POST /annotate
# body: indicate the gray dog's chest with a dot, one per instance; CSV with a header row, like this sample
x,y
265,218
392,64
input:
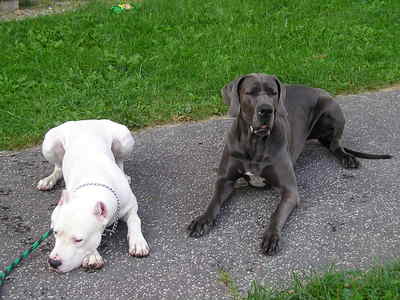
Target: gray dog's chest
x,y
252,168
253,171
255,180
255,167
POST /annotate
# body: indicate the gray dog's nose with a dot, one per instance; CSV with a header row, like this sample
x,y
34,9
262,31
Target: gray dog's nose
x,y
54,263
264,111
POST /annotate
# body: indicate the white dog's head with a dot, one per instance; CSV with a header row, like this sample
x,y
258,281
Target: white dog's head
x,y
78,226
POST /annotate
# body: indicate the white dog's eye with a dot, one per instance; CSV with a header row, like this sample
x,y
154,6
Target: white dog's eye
x,y
77,241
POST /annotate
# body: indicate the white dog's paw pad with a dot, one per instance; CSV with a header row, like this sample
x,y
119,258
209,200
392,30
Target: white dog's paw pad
x,y
46,184
94,261
138,247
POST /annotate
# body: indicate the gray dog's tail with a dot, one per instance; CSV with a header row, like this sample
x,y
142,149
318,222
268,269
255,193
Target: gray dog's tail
x,y
367,155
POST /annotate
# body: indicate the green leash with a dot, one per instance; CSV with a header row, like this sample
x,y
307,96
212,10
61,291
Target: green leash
x,y
25,254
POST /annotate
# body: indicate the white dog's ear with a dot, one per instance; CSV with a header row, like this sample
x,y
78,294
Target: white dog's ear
x,y
64,197
100,210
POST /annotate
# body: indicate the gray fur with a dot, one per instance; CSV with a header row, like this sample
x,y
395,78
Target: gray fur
x,y
273,122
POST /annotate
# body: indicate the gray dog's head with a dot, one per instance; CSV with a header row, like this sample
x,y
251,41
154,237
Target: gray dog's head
x,y
257,99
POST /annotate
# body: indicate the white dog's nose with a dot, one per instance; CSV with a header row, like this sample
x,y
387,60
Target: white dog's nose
x,y
54,263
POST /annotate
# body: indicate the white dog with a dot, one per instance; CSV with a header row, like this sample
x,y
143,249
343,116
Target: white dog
x,y
90,154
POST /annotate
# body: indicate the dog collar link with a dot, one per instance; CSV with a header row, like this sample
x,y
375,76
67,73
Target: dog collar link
x,y
116,213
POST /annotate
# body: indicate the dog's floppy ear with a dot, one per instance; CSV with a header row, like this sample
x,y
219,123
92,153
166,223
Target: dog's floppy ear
x,y
230,93
280,106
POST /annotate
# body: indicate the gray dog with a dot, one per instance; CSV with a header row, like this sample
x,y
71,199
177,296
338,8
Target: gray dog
x,y
273,122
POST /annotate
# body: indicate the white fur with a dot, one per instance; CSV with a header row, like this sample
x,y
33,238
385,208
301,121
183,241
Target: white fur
x,y
90,151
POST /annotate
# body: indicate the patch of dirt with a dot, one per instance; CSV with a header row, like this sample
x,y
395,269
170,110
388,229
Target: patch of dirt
x,y
49,8
388,88
394,87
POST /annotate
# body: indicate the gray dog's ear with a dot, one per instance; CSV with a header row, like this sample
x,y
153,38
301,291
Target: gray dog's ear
x,y
280,106
230,93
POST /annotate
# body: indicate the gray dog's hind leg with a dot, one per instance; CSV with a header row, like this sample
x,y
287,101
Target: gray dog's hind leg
x,y
329,129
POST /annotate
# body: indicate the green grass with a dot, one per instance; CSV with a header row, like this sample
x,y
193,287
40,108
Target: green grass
x,y
378,283
168,61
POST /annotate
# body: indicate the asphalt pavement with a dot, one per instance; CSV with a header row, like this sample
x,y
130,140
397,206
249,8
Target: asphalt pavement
x,y
349,218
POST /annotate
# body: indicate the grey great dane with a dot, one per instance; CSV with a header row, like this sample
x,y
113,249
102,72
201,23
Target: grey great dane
x,y
272,123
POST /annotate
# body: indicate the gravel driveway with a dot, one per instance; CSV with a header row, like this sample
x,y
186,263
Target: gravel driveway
x,y
350,218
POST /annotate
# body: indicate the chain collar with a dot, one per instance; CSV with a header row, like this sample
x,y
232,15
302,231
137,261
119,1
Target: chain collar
x,y
116,213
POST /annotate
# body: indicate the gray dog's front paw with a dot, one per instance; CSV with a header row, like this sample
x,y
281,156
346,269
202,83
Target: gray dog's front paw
x,y
200,226
270,243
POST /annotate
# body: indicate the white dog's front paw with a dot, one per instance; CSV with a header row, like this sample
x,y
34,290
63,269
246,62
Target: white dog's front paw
x,y
93,261
129,179
138,247
46,183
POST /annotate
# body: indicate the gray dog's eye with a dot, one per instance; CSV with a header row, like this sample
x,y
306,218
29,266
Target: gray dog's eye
x,y
271,92
253,91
